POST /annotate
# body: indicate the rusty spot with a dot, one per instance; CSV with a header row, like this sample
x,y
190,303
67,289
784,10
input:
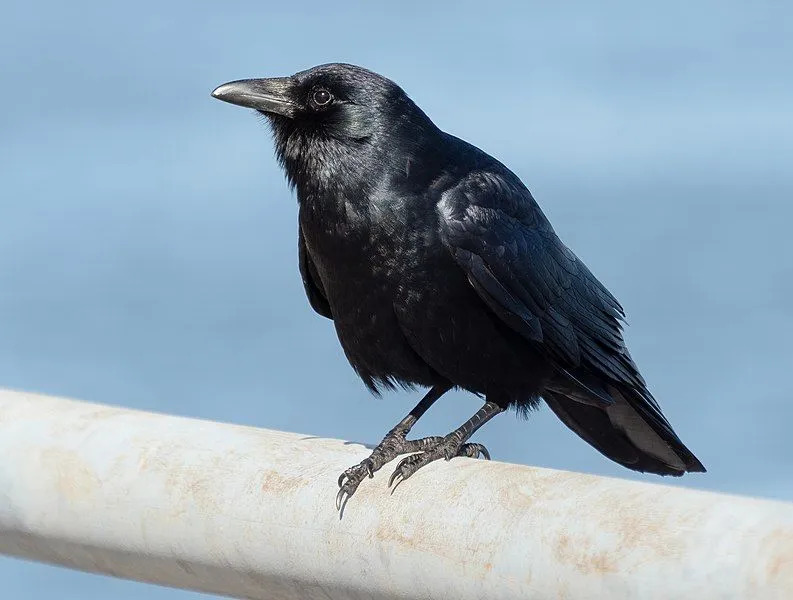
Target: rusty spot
x,y
660,535
431,541
75,480
185,482
275,483
539,488
779,545
577,552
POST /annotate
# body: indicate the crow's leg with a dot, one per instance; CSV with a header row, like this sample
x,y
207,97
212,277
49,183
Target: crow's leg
x,y
394,443
449,446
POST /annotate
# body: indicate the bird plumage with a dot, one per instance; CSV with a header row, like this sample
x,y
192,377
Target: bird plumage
x,y
438,267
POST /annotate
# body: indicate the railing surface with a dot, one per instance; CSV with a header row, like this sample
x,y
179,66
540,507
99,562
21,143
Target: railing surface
x,y
250,513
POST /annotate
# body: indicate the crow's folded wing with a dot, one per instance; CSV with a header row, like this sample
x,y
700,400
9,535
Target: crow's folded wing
x,y
498,235
526,275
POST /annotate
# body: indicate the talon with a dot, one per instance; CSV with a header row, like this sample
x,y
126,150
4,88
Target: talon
x,y
424,451
474,451
388,449
393,476
397,472
398,482
404,469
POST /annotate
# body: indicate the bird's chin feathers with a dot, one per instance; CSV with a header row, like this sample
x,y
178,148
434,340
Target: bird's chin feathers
x,y
311,156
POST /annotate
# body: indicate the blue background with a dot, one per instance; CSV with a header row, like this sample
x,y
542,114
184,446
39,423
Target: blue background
x,y
148,239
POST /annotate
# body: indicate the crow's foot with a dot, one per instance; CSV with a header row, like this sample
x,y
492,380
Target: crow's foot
x,y
426,449
393,444
447,448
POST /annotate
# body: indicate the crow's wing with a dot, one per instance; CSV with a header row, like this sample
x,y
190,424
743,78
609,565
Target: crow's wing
x,y
498,235
521,269
311,282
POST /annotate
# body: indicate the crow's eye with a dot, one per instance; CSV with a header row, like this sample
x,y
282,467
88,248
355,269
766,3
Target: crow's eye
x,y
322,97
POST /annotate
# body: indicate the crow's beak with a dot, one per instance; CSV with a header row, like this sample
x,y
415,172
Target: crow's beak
x,y
266,95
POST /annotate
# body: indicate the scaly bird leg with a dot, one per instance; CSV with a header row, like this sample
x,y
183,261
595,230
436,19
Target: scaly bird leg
x,y
394,443
447,447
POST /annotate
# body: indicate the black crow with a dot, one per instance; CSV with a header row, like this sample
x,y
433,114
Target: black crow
x,y
439,269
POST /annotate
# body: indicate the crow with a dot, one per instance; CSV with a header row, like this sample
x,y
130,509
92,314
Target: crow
x,y
439,270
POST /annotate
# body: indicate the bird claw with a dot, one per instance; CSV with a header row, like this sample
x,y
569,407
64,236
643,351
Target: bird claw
x,y
350,479
392,446
425,451
410,464
474,451
341,498
397,473
396,476
365,465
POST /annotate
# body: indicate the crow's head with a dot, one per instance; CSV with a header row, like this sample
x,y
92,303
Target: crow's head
x,y
329,114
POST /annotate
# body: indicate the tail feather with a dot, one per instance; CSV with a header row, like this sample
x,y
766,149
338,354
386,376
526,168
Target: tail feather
x,y
632,431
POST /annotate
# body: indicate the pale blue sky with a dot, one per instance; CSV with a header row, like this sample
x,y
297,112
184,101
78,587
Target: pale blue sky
x,y
147,237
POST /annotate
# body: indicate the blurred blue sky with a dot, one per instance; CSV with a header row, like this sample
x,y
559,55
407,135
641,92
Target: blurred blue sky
x,y
148,239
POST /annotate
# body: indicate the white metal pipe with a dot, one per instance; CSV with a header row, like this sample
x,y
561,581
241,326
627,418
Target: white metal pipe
x,y
250,513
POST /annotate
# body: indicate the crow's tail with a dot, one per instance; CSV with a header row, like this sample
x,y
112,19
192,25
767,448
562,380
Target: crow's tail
x,y
631,431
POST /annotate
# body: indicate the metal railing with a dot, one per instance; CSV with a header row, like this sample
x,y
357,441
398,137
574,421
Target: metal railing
x,y
250,513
